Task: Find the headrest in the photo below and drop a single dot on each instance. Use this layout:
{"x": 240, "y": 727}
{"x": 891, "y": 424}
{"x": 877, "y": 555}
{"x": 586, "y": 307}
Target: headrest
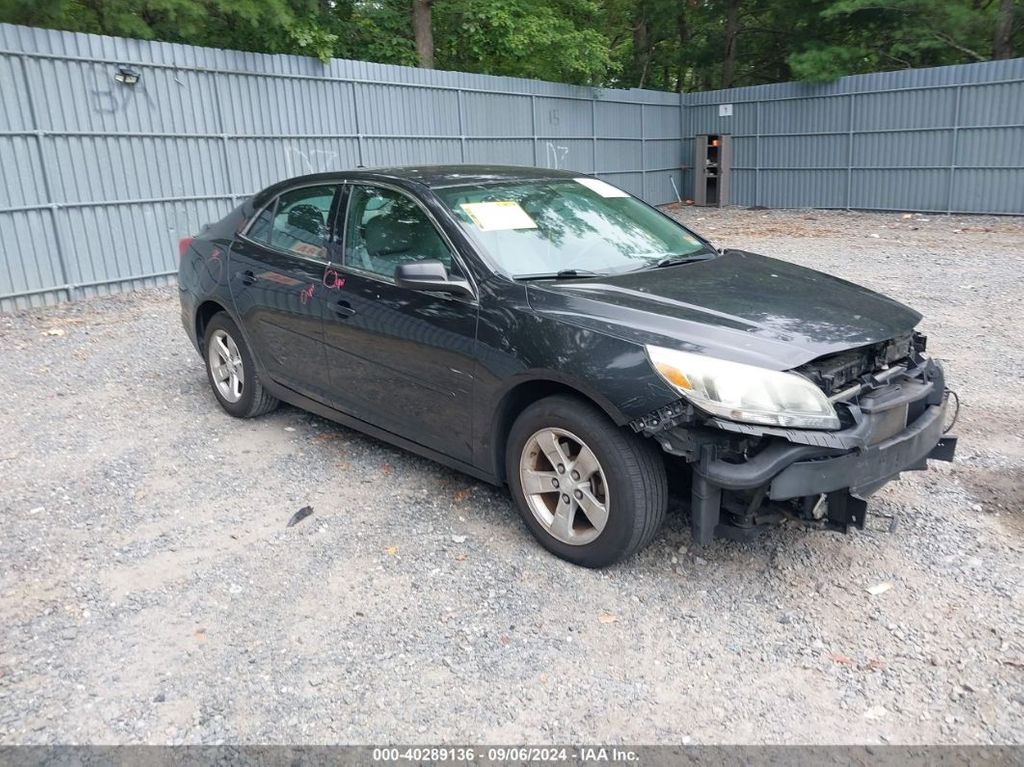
{"x": 308, "y": 218}
{"x": 386, "y": 235}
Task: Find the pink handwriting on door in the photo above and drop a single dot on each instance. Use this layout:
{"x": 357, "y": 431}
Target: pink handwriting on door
{"x": 307, "y": 293}
{"x": 215, "y": 266}
{"x": 332, "y": 280}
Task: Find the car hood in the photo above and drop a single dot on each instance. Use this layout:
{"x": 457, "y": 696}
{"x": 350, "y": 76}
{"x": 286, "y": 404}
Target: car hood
{"x": 738, "y": 306}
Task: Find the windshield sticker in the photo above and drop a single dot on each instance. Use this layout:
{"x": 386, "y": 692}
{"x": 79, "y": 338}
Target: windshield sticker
{"x": 494, "y": 216}
{"x": 602, "y": 188}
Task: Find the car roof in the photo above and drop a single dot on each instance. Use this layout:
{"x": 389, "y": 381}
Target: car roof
{"x": 431, "y": 176}
{"x": 440, "y": 176}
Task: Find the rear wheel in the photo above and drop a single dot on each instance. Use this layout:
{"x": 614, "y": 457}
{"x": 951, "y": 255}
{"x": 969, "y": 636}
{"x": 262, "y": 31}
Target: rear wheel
{"x": 590, "y": 492}
{"x": 232, "y": 372}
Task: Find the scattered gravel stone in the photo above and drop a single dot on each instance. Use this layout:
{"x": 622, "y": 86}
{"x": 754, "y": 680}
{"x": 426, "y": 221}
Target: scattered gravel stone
{"x": 156, "y": 596}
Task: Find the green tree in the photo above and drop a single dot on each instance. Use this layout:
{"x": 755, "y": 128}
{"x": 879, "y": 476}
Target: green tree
{"x": 548, "y": 39}
{"x": 870, "y": 35}
{"x": 664, "y": 44}
{"x": 272, "y": 26}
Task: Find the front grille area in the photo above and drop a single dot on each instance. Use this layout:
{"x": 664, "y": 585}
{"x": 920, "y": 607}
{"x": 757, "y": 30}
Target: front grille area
{"x": 834, "y": 372}
{"x": 888, "y": 424}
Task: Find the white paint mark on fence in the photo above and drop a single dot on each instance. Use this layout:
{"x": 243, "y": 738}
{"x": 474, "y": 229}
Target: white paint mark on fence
{"x": 556, "y": 156}
{"x": 313, "y": 161}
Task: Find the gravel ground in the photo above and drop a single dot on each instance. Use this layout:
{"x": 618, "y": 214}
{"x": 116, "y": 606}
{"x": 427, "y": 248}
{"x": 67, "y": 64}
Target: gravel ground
{"x": 150, "y": 591}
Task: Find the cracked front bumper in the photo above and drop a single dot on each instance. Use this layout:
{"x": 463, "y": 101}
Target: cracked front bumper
{"x": 863, "y": 472}
{"x": 897, "y": 429}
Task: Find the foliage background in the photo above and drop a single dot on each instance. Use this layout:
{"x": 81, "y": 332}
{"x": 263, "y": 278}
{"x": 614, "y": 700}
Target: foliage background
{"x": 663, "y": 44}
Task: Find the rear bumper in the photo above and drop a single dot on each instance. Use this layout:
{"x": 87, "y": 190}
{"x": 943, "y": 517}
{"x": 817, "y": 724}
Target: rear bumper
{"x": 188, "y": 317}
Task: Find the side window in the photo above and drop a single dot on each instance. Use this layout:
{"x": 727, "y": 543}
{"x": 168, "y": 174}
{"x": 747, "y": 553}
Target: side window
{"x": 298, "y": 223}
{"x": 385, "y": 228}
{"x": 260, "y": 229}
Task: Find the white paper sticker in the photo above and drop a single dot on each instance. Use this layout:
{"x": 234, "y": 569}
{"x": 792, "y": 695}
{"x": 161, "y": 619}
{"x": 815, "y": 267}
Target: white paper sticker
{"x": 725, "y": 110}
{"x": 495, "y": 216}
{"x": 602, "y": 188}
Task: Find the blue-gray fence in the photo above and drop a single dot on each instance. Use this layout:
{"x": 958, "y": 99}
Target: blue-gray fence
{"x": 100, "y": 179}
{"x": 943, "y": 140}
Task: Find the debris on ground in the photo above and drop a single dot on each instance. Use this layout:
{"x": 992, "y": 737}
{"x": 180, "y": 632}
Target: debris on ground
{"x": 299, "y": 515}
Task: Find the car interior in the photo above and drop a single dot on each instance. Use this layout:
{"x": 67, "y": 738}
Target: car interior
{"x": 387, "y": 229}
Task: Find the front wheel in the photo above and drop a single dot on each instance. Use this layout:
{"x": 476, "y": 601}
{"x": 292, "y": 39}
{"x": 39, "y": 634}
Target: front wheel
{"x": 590, "y": 492}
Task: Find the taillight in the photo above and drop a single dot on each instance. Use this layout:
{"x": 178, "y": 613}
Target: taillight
{"x": 183, "y": 244}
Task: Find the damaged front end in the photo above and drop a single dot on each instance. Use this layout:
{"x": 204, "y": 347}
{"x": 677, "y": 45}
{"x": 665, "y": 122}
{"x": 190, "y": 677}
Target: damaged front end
{"x": 892, "y": 405}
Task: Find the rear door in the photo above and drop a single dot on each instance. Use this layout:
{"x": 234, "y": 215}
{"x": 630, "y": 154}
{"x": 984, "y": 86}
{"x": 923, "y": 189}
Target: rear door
{"x": 403, "y": 360}
{"x": 276, "y": 272}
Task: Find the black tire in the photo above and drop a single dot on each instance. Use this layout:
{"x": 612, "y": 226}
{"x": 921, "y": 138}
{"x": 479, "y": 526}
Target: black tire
{"x": 636, "y": 493}
{"x": 254, "y": 400}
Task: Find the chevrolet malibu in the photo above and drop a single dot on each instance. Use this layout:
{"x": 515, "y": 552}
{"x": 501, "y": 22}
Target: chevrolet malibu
{"x": 548, "y": 331}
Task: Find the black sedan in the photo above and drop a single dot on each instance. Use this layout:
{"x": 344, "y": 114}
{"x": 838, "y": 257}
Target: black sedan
{"x": 547, "y": 330}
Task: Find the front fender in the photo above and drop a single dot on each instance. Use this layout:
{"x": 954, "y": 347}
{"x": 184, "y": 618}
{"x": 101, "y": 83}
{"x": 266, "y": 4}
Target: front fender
{"x": 519, "y": 346}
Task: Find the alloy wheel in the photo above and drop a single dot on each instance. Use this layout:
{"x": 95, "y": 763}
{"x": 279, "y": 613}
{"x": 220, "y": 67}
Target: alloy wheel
{"x": 564, "y": 485}
{"x": 226, "y": 367}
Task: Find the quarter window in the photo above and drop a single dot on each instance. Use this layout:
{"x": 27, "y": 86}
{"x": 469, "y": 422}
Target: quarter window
{"x": 386, "y": 228}
{"x": 260, "y": 228}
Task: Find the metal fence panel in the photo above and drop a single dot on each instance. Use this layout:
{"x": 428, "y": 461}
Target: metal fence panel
{"x": 99, "y": 180}
{"x": 989, "y": 147}
{"x": 988, "y": 190}
{"x": 29, "y": 265}
{"x": 23, "y": 172}
{"x": 512, "y": 151}
{"x": 901, "y": 150}
{"x": 948, "y": 140}
{"x": 497, "y": 115}
{"x": 617, "y": 120}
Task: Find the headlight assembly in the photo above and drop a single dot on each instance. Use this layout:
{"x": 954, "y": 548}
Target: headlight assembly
{"x": 744, "y": 392}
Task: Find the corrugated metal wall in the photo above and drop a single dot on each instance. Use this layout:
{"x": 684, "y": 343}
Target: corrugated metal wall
{"x": 945, "y": 140}
{"x": 100, "y": 180}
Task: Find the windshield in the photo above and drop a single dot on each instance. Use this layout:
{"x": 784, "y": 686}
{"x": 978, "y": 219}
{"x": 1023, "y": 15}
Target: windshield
{"x": 541, "y": 228}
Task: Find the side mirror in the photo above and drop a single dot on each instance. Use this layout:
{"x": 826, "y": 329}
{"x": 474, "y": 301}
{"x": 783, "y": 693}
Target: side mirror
{"x": 430, "y": 276}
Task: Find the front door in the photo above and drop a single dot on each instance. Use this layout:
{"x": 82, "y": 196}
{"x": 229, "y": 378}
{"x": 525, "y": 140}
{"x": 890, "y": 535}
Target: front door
{"x": 276, "y": 270}
{"x": 400, "y": 359}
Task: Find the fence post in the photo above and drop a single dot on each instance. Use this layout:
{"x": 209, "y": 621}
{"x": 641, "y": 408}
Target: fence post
{"x": 462, "y": 127}
{"x": 953, "y": 151}
{"x": 533, "y": 127}
{"x": 849, "y": 152}
{"x": 643, "y": 155}
{"x": 757, "y": 153}
{"x": 682, "y": 140}
{"x": 593, "y": 131}
{"x": 235, "y": 194}
{"x": 52, "y": 205}
{"x": 359, "y": 128}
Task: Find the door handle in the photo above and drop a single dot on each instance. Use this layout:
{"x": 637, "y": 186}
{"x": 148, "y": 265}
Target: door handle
{"x": 248, "y": 277}
{"x": 343, "y": 309}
